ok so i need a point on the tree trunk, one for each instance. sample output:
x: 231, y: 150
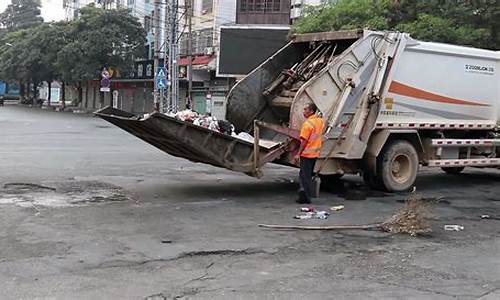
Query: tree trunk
x: 63, y: 96
x: 86, y: 94
x: 80, y: 93
x: 35, y: 93
x: 95, y: 96
x: 21, y: 91
x: 49, y: 92
x: 28, y: 92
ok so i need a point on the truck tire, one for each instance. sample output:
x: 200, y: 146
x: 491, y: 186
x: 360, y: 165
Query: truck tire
x: 398, y: 166
x: 453, y: 170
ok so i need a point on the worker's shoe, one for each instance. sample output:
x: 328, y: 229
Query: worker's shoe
x: 303, y: 198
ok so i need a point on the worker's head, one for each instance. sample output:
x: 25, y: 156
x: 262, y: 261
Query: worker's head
x: 310, y: 110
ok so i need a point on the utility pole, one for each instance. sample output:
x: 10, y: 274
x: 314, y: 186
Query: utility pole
x: 173, y: 57
x: 163, y: 95
x: 190, y: 50
x: 156, y: 54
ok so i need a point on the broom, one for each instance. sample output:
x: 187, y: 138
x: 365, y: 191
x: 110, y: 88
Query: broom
x: 410, y: 219
x: 316, y: 179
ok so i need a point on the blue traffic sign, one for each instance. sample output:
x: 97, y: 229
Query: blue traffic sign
x: 161, y: 83
x: 161, y: 78
x: 162, y: 72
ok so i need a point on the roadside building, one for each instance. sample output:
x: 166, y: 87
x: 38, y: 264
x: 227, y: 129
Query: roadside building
x: 212, y: 22
x: 298, y: 7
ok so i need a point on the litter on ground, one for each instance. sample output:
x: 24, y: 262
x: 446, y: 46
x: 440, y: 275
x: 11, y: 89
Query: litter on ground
x: 337, y: 208
x: 410, y: 219
x: 313, y: 214
x: 453, y: 227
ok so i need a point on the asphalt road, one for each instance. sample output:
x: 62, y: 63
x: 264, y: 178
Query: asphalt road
x: 88, y: 211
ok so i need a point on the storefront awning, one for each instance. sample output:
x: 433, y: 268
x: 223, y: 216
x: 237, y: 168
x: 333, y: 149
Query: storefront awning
x: 198, y: 60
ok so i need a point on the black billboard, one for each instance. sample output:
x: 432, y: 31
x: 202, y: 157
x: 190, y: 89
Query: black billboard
x: 242, y: 48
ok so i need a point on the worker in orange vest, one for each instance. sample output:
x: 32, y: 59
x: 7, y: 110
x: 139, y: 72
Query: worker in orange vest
x: 310, y: 145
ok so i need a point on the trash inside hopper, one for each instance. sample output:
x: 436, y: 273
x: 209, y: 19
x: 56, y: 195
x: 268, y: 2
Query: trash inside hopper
x: 195, y: 143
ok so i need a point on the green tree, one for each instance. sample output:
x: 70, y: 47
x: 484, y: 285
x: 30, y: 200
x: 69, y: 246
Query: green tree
x: 71, y: 52
x: 97, y: 39
x: 463, y: 22
x: 343, y: 14
x: 434, y: 28
x: 48, y: 39
x: 12, y: 68
x: 21, y: 14
x: 29, y: 55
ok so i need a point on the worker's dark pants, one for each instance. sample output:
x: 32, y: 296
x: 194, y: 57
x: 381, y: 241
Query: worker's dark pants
x: 305, y: 177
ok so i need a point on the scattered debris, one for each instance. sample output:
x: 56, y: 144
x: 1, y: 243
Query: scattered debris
x: 303, y: 217
x: 222, y: 126
x: 225, y: 127
x: 337, y: 208
x: 207, y: 122
x: 320, y: 214
x: 186, y: 115
x: 307, y: 209
x: 410, y: 219
x: 453, y: 227
x: 212, y: 123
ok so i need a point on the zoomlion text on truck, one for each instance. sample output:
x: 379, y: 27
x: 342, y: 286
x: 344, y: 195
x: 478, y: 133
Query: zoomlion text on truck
x: 390, y: 103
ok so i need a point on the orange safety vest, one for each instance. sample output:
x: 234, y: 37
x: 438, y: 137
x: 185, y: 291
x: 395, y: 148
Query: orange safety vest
x: 312, y: 132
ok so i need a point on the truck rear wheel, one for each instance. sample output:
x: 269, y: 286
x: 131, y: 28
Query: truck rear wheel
x: 398, y: 166
x: 453, y: 170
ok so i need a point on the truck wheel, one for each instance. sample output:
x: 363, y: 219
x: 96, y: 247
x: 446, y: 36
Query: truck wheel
x: 453, y: 170
x: 398, y: 166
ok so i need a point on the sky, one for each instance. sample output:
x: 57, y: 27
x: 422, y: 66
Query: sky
x: 52, y: 10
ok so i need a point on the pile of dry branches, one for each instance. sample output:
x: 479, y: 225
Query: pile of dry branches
x: 410, y: 219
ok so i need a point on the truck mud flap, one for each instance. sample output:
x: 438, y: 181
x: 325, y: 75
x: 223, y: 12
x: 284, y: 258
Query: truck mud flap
x: 195, y: 143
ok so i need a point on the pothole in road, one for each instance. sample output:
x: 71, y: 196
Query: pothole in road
x: 61, y: 194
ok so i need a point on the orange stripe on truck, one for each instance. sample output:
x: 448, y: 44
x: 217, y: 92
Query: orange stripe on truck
x: 409, y: 91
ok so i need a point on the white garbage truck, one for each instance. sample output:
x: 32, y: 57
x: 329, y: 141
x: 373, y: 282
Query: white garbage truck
x: 390, y: 103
